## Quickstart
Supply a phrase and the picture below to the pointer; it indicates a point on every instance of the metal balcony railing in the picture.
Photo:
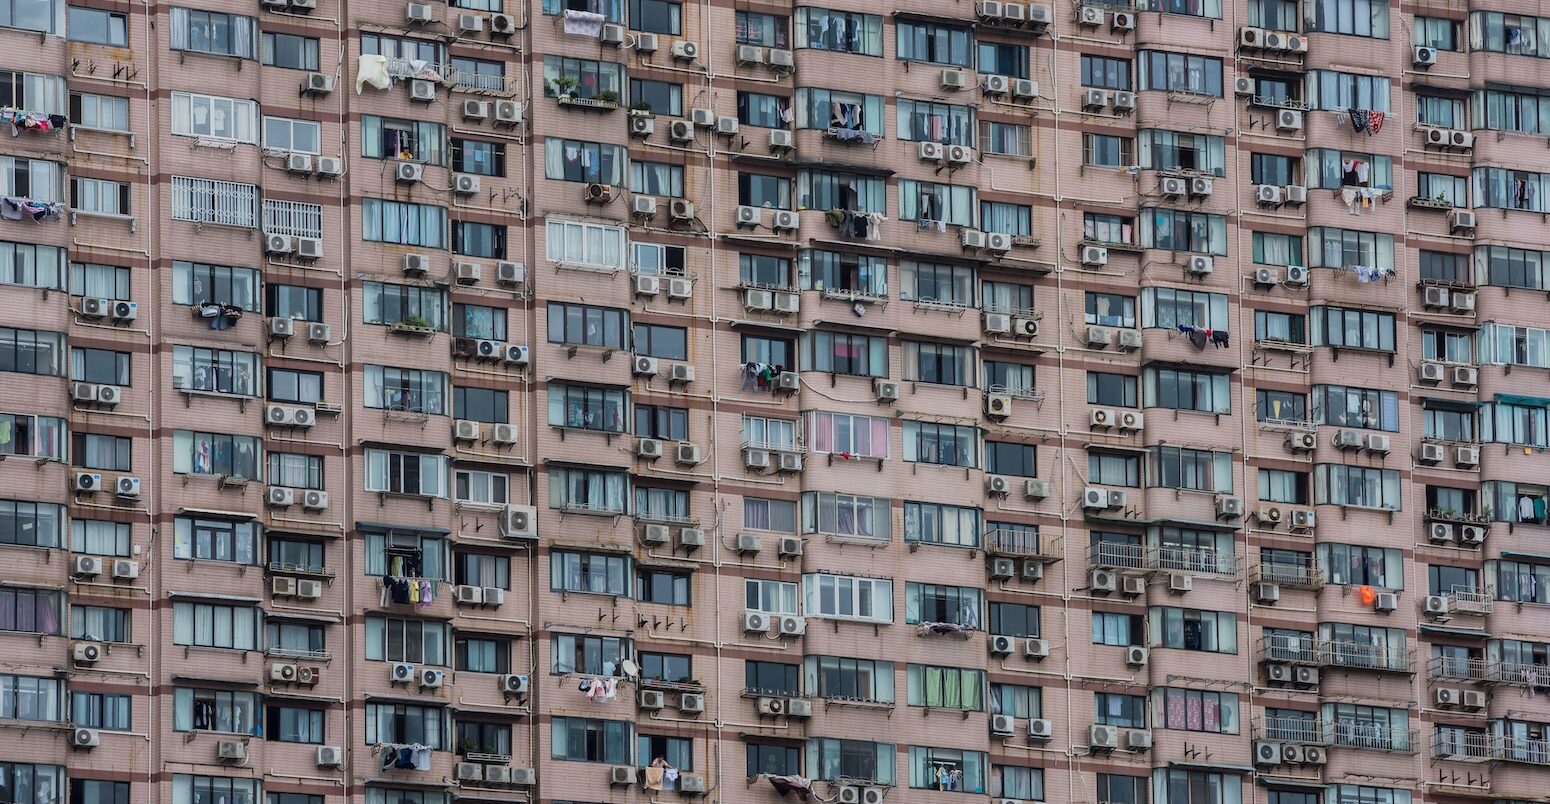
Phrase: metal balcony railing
(1305, 730)
(1528, 750)
(1373, 736)
(1519, 673)
(1111, 555)
(1019, 544)
(1364, 656)
(1470, 600)
(1449, 668)
(1467, 747)
(1294, 576)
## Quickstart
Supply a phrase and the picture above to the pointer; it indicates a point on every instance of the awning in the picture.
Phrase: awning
(1193, 523)
(286, 614)
(401, 528)
(1450, 404)
(1295, 784)
(1521, 554)
(1211, 766)
(230, 682)
(250, 601)
(1443, 630)
(1520, 399)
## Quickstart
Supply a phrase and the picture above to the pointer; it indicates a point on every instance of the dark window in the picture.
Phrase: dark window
(105, 452)
(1125, 711)
(662, 586)
(485, 240)
(99, 366)
(657, 421)
(660, 97)
(290, 51)
(770, 678)
(294, 301)
(585, 325)
(289, 385)
(1004, 458)
(1118, 390)
(657, 16)
(1014, 619)
(773, 760)
(758, 190)
(96, 27)
(95, 791)
(665, 667)
(479, 404)
(657, 340)
(1104, 73)
(479, 158)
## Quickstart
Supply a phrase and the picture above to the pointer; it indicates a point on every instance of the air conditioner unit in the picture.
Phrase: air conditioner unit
(1466, 376)
(994, 84)
(750, 54)
(1103, 738)
(465, 430)
(643, 127)
(510, 273)
(679, 372)
(680, 210)
(988, 9)
(431, 679)
(1132, 585)
(86, 652)
(281, 497)
(1269, 195)
(1472, 699)
(469, 772)
(1461, 220)
(1267, 754)
(1136, 656)
(1436, 606)
(755, 621)
(750, 216)
(885, 391)
(1296, 275)
(85, 392)
(726, 125)
(1377, 443)
(954, 79)
(1267, 593)
(1090, 16)
(749, 543)
(686, 51)
(963, 155)
(1172, 186)
(508, 113)
(1122, 21)
(1303, 519)
(1180, 583)
(598, 193)
(1033, 647)
(127, 487)
(1440, 532)
(1200, 187)
(790, 547)
(688, 454)
(1130, 339)
(85, 738)
(1095, 256)
(418, 13)
(1472, 535)
(997, 242)
(1099, 337)
(1002, 569)
(691, 703)
(1102, 581)
(1431, 453)
(780, 140)
(1001, 645)
(1199, 265)
(1386, 602)
(314, 500)
(1348, 439)
(1461, 140)
(503, 24)
(931, 151)
(781, 58)
(86, 482)
(620, 775)
(317, 84)
(1124, 101)
(1229, 507)
(1039, 16)
(519, 522)
(756, 458)
(998, 406)
(1289, 120)
(234, 750)
(422, 91)
(1036, 489)
(1279, 673)
(1102, 418)
(331, 166)
(86, 566)
(1431, 373)
(1301, 442)
(1025, 88)
(1002, 725)
(788, 381)
(644, 367)
(680, 131)
(409, 172)
(646, 43)
(1433, 296)
(791, 626)
(652, 699)
(468, 595)
(1039, 730)
(1463, 301)
(611, 34)
(279, 244)
(1095, 98)
(512, 684)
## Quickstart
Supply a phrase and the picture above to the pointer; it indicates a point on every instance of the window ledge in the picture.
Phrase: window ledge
(862, 541)
(111, 216)
(411, 330)
(592, 104)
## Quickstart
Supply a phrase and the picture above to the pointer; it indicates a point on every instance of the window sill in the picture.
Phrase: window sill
(411, 330)
(108, 216)
(590, 104)
(861, 541)
(585, 510)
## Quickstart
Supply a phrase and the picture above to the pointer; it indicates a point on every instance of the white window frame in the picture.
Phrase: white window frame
(291, 124)
(482, 487)
(558, 235)
(243, 114)
(782, 594)
(847, 592)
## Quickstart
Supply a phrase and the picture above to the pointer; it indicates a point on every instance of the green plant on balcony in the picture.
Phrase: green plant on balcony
(608, 96)
(563, 86)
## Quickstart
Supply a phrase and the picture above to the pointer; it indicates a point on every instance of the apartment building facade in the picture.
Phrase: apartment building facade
(591, 400)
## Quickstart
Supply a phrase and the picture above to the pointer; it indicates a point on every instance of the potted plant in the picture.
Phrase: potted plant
(608, 96)
(640, 109)
(563, 86)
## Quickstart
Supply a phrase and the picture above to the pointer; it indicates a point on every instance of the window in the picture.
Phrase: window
(97, 27)
(1177, 150)
(932, 203)
(669, 667)
(942, 444)
(214, 33)
(217, 454)
(767, 30)
(829, 759)
(1279, 485)
(1368, 408)
(1100, 228)
(479, 321)
(399, 724)
(1277, 249)
(1107, 150)
(1125, 789)
(98, 537)
(216, 710)
(590, 740)
(839, 514)
(1505, 188)
(380, 795)
(933, 603)
(404, 140)
(938, 523)
(940, 364)
(406, 473)
(98, 112)
(823, 189)
(101, 710)
(1355, 17)
(99, 196)
(937, 44)
(1506, 110)
(1118, 390)
(1113, 469)
(932, 121)
(31, 611)
(853, 679)
(832, 109)
(582, 78)
(657, 178)
(478, 158)
(1357, 486)
(583, 408)
(28, 351)
(1193, 629)
(1522, 582)
(770, 433)
(938, 283)
(391, 639)
(293, 301)
(199, 284)
(302, 387)
(1182, 230)
(1006, 297)
(294, 639)
(1005, 139)
(1181, 389)
(658, 16)
(1274, 169)
(1280, 327)
(1105, 73)
(591, 573)
(842, 597)
(485, 240)
(479, 404)
(770, 678)
(487, 488)
(947, 770)
(657, 340)
(845, 353)
(215, 540)
(1111, 310)
(839, 31)
(478, 75)
(1348, 328)
(591, 655)
(770, 597)
(31, 524)
(1332, 170)
(1012, 219)
(656, 259)
(1007, 458)
(35, 179)
(1180, 72)
(757, 190)
(1196, 787)
(1506, 344)
(1449, 347)
(586, 325)
(404, 304)
(33, 436)
(1443, 580)
(1197, 710)
(662, 586)
(776, 516)
(589, 162)
(1505, 423)
(384, 221)
(1123, 711)
(1509, 267)
(576, 489)
(1168, 308)
(1330, 90)
(483, 655)
(1346, 248)
(1014, 620)
(677, 752)
(1191, 469)
(298, 136)
(998, 58)
(290, 51)
(773, 760)
(35, 266)
(1431, 110)
(778, 353)
(762, 270)
(660, 421)
(211, 625)
(480, 569)
(1111, 628)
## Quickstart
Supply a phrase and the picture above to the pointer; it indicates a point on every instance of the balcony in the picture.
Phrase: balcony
(1469, 600)
(1371, 736)
(1303, 730)
(1364, 656)
(1291, 576)
(1009, 543)
(1165, 559)
(1534, 676)
(1526, 750)
(1116, 556)
(1467, 747)
(1447, 668)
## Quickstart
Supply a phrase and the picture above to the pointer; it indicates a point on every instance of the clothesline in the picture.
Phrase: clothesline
(22, 120)
(865, 225)
(1369, 121)
(761, 375)
(14, 208)
(1200, 335)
